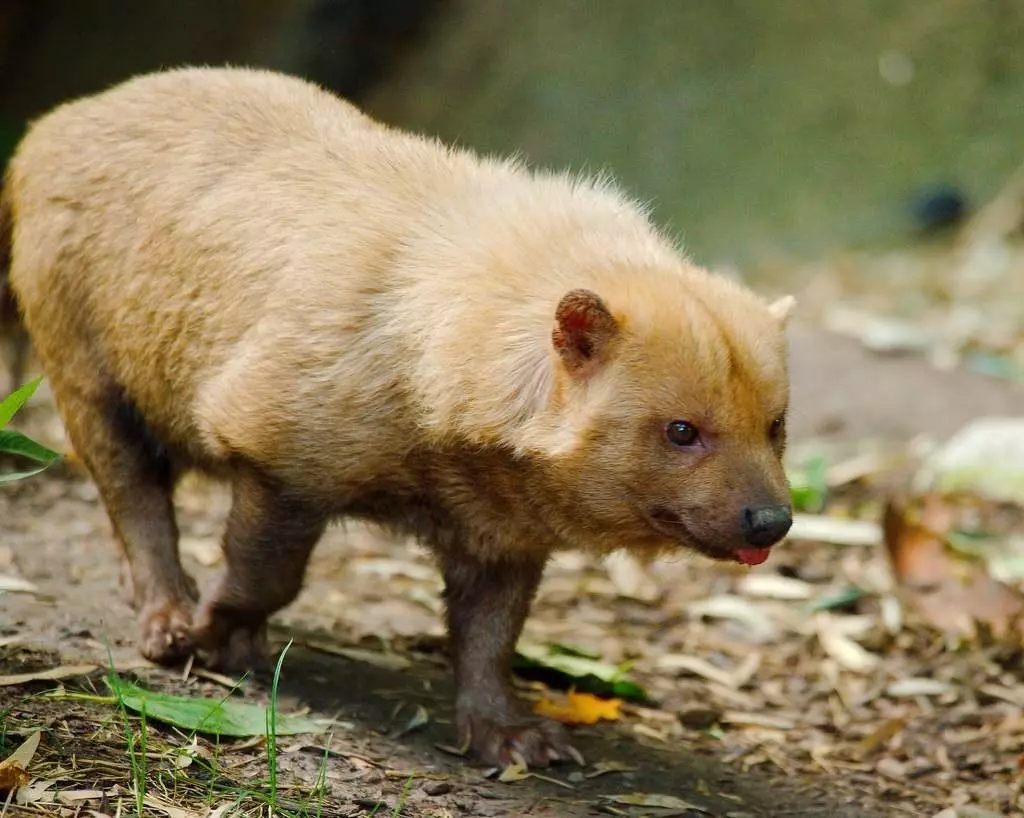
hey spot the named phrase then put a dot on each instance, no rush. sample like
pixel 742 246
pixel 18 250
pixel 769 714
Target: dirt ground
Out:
pixel 751 717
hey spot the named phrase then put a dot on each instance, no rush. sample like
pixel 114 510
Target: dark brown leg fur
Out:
pixel 487 606
pixel 20 344
pixel 267 544
pixel 136 480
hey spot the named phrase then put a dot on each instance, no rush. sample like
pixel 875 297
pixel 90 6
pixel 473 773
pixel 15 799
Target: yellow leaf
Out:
pixel 579 708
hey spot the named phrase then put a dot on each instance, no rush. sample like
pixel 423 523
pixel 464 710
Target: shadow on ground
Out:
pixel 368 696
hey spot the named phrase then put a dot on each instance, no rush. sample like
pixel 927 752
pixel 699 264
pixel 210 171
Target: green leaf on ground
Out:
pixel 569 650
pixel 587 675
pixel 217 717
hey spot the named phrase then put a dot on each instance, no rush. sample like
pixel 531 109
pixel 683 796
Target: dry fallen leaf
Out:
pixel 385 661
pixel 763 720
pixel 775 586
pixel 206 551
pixel 40 791
pixel 881 735
pixel 983 459
pixel 754 617
pixel 606 767
pixel 913 687
pixel 842 648
pixel 51 675
pixel 16 585
pixel 14 768
pixel 630 577
pixel 653 799
pixel 834 530
pixel 517 771
pixel 420 718
pixel 952 593
pixel 74 796
pixel 513 772
pixel 155 802
pixel 580 708
pixel 731 679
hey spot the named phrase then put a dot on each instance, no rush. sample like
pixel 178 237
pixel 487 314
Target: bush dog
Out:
pixel 234 271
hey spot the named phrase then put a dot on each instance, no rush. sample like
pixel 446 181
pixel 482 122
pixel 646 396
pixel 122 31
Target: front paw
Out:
pixel 165 630
pixel 531 740
pixel 226 644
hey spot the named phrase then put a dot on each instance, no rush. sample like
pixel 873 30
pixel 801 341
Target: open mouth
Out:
pixel 668 523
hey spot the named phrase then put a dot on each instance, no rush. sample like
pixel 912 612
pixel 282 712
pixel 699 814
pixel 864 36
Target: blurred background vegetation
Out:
pixel 759 130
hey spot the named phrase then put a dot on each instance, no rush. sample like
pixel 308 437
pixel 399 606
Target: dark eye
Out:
pixel 777 427
pixel 683 434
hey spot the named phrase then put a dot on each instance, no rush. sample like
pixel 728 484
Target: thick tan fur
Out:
pixel 276 288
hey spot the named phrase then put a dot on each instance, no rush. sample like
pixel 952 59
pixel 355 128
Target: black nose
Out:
pixel 765 525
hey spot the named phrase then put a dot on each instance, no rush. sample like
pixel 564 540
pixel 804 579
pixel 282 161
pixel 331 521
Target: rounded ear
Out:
pixel 583 330
pixel 782 308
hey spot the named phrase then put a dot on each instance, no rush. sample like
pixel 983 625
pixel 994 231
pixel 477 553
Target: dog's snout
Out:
pixel 765 525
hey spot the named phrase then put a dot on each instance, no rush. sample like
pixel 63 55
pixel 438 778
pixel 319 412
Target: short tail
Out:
pixel 12 328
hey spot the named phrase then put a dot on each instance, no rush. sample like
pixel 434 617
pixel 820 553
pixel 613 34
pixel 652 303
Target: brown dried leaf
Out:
pixel 842 648
pixel 834 530
pixel 630 577
pixel 657 800
pixel 606 767
pixel 881 735
pixel 51 675
pixel 206 551
pixel 913 538
pixel 37 792
pixel 156 802
pixel 953 594
pixel 385 661
pixel 16 585
pixel 419 719
pixel 14 768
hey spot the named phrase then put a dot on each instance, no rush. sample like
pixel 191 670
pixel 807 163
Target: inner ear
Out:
pixel 583 330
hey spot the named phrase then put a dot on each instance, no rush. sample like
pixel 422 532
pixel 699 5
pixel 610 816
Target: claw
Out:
pixel 576 755
pixel 532 742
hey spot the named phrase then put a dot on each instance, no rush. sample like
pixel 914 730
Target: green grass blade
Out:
pixel 272 731
pixel 10 405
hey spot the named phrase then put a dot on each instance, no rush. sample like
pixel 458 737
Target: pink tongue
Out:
pixel 753 556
